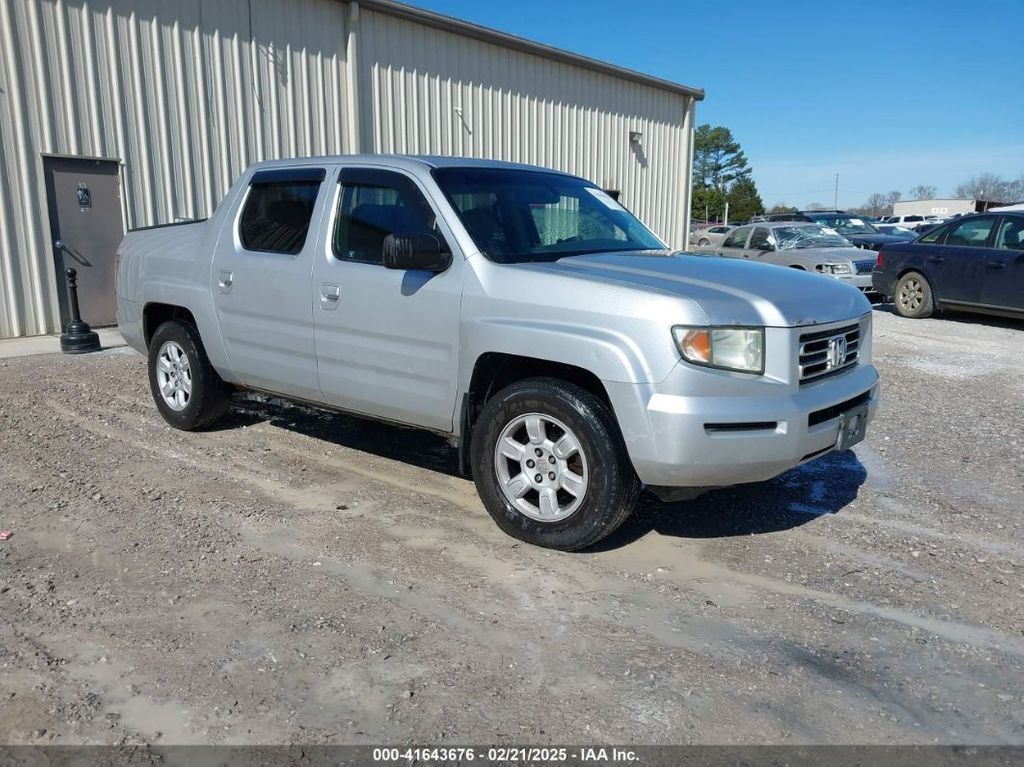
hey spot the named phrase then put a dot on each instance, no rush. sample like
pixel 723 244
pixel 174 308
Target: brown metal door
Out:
pixel 84 200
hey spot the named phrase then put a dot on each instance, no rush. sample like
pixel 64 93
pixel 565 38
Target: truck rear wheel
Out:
pixel 187 390
pixel 550 465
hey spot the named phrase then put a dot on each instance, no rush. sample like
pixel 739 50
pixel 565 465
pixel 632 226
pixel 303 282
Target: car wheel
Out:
pixel 704 242
pixel 913 296
pixel 187 390
pixel 550 465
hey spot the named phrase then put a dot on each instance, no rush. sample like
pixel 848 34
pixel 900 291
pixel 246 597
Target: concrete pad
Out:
pixel 25 347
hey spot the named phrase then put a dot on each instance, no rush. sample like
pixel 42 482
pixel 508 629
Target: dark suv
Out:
pixel 856 229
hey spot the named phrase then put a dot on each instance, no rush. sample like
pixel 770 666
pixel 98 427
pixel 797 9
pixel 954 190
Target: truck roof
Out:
pixel 405 161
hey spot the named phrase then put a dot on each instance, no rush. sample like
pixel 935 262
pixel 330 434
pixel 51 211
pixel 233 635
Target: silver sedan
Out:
pixel 711 235
pixel 800 245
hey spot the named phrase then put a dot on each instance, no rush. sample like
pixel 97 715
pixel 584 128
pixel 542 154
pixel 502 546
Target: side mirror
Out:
pixel 415 251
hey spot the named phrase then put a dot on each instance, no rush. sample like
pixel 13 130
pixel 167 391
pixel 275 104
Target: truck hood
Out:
pixel 726 291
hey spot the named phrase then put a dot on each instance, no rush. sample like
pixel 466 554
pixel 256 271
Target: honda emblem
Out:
pixel 836 356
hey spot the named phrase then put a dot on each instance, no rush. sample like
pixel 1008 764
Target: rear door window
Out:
pixel 972 233
pixel 759 239
pixel 278 209
pixel 737 238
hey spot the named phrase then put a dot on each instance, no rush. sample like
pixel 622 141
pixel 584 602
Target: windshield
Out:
pixel 844 224
pixel 521 215
pixel 808 236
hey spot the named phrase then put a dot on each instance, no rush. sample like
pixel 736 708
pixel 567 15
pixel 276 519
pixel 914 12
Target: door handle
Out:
pixel 330 296
pixel 935 259
pixel 224 281
pixel 996 264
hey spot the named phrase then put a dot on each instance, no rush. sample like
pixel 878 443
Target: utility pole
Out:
pixel 726 222
pixel 835 203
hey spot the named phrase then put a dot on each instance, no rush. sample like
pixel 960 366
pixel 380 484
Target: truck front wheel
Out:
pixel 550 465
pixel 187 390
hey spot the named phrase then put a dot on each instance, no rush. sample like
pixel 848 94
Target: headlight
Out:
pixel 740 349
pixel 834 269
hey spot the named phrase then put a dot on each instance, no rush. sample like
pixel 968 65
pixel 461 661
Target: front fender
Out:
pixel 611 355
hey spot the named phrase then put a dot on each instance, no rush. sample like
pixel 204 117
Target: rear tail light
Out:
pixel 878 260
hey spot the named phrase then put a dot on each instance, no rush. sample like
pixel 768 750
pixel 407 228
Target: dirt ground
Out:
pixel 300 577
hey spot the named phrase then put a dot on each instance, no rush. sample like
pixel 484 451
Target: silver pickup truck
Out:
pixel 522 312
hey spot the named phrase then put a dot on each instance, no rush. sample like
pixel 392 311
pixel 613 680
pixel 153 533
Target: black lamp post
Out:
pixel 77 337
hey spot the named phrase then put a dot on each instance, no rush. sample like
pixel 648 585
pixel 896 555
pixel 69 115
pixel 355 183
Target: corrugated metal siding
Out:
pixel 185 93
pixel 428 91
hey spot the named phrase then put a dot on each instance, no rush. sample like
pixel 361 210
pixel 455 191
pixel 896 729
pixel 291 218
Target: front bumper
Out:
pixel 859 281
pixel 715 438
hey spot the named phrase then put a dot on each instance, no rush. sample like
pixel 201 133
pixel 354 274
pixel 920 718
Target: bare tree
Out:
pixel 815 206
pixel 892 198
pixel 878 204
pixel 986 186
pixel 923 192
pixel 1015 190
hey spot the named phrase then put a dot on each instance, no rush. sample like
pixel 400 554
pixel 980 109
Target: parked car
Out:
pixel 973 263
pixel 854 228
pixel 896 230
pixel 712 235
pixel 912 221
pixel 801 245
pixel 522 313
pixel 927 226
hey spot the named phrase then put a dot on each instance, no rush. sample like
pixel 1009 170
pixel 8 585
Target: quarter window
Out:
pixel 972 233
pixel 276 214
pixel 737 239
pixel 935 236
pixel 373 204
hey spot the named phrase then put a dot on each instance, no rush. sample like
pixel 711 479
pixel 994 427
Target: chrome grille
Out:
pixel 828 352
pixel 864 267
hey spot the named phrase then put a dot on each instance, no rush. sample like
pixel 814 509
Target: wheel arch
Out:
pixel 155 314
pixel 493 371
pixel 907 269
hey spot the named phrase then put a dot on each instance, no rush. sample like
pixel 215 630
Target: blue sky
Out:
pixel 887 94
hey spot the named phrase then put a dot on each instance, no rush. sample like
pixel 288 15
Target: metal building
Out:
pixel 943 206
pixel 116 114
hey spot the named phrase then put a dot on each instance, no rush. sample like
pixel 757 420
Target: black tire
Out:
pixel 704 242
pixel 209 395
pixel 613 486
pixel 912 296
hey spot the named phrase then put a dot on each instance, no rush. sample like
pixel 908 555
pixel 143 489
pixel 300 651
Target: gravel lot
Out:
pixel 300 577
